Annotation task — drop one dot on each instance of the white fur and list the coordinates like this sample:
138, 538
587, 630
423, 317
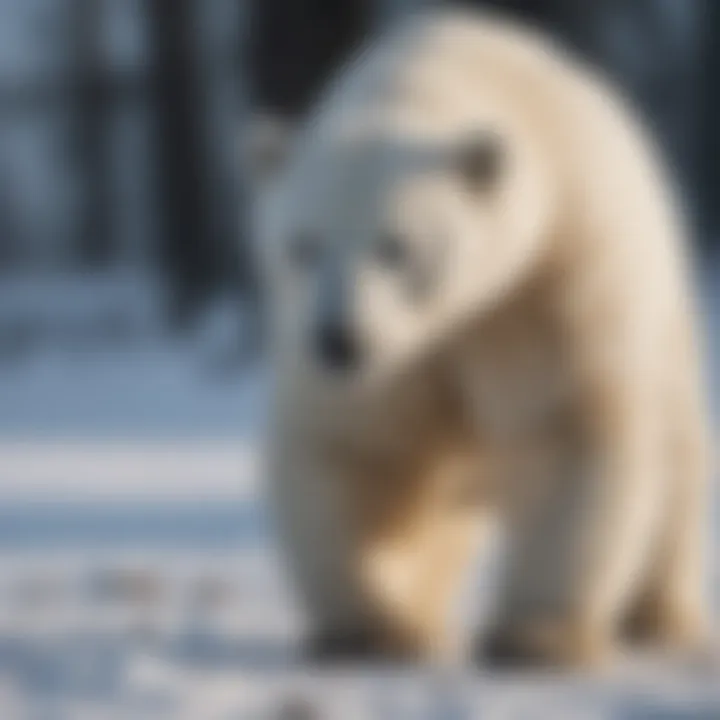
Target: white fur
555, 362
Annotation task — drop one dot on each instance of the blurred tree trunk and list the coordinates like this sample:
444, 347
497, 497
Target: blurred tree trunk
188, 247
11, 235
294, 45
91, 140
542, 11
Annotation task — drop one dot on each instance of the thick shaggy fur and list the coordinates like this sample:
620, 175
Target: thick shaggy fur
550, 379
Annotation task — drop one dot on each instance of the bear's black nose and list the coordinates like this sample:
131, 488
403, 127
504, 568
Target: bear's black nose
337, 347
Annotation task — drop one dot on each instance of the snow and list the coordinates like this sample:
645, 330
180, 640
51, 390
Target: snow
84, 357
138, 578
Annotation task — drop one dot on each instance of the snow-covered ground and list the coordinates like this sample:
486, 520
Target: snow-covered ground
137, 574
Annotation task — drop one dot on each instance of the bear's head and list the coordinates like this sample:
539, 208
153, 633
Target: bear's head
378, 246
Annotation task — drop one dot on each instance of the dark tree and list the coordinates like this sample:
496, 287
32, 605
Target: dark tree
11, 229
293, 46
92, 103
188, 246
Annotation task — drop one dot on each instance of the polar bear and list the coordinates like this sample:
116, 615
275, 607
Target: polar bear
482, 317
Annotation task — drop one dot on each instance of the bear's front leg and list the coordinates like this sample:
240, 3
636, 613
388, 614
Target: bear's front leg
578, 549
375, 554
317, 529
420, 529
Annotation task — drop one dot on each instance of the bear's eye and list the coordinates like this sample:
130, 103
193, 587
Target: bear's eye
304, 250
481, 160
392, 251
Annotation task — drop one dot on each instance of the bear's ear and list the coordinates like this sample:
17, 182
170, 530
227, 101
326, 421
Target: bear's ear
480, 160
264, 146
